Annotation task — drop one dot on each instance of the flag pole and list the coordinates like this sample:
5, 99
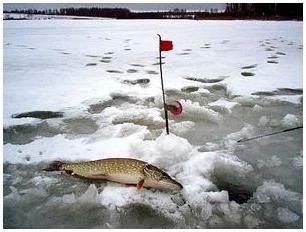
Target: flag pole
162, 84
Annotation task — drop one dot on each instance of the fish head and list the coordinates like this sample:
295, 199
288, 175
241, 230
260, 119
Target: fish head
159, 179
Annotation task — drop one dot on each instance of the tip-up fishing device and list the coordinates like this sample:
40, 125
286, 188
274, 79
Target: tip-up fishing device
175, 108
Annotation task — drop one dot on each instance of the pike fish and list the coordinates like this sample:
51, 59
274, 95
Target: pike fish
123, 170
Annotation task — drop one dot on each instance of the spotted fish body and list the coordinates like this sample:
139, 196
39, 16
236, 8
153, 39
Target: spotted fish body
122, 170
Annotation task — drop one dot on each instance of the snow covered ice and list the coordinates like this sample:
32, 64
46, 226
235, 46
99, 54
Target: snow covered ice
103, 76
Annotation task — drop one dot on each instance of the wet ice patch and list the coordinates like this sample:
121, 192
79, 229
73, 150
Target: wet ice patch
295, 99
274, 161
39, 114
26, 133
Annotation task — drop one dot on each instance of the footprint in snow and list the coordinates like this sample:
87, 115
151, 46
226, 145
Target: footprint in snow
207, 45
247, 74
204, 80
249, 66
142, 81
151, 72
273, 57
114, 71
137, 65
225, 41
182, 53
131, 71
158, 63
106, 61
269, 49
107, 57
280, 53
109, 53
272, 62
91, 64
93, 56
58, 49
66, 53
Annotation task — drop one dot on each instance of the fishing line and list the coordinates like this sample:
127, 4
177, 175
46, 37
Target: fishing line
274, 133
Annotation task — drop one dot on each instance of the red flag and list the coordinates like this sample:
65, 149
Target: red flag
165, 45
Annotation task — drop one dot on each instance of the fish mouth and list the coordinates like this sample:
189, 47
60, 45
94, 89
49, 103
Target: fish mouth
170, 184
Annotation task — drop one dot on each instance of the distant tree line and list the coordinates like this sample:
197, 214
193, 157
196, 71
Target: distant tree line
232, 11
118, 13
265, 9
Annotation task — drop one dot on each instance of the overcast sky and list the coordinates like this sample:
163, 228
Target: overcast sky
131, 6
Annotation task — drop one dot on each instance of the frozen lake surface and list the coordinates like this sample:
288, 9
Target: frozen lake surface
84, 90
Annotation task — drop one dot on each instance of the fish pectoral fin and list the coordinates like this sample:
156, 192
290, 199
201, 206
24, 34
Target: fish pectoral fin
98, 176
140, 184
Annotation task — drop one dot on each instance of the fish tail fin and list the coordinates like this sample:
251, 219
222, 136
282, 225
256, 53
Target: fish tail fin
54, 166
